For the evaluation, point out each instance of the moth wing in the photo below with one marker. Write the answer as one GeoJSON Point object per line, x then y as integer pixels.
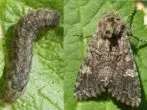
{"type": "Point", "coordinates": [124, 84]}
{"type": "Point", "coordinates": [92, 77]}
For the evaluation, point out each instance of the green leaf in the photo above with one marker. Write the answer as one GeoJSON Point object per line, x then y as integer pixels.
{"type": "Point", "coordinates": [80, 19]}
{"type": "Point", "coordinates": [45, 88]}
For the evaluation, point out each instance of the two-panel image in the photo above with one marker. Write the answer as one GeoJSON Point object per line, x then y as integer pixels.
{"type": "Point", "coordinates": [73, 55]}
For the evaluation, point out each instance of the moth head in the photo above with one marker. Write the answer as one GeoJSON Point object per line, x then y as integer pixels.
{"type": "Point", "coordinates": [111, 26]}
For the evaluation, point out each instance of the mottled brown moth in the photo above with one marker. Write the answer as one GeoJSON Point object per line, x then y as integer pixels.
{"type": "Point", "coordinates": [109, 64]}
{"type": "Point", "coordinates": [15, 78]}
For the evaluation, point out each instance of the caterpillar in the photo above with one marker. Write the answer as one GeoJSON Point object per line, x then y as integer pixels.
{"type": "Point", "coordinates": [15, 78]}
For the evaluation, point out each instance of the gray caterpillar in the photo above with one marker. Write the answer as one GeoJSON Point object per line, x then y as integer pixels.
{"type": "Point", "coordinates": [15, 78]}
{"type": "Point", "coordinates": [109, 64]}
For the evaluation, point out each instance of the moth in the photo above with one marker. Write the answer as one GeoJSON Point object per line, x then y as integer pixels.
{"type": "Point", "coordinates": [16, 75]}
{"type": "Point", "coordinates": [109, 64]}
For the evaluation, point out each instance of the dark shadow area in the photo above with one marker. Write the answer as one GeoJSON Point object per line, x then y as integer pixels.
{"type": "Point", "coordinates": [7, 57]}
{"type": "Point", "coordinates": [7, 48]}
{"type": "Point", "coordinates": [122, 106]}
{"type": "Point", "coordinates": [103, 97]}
